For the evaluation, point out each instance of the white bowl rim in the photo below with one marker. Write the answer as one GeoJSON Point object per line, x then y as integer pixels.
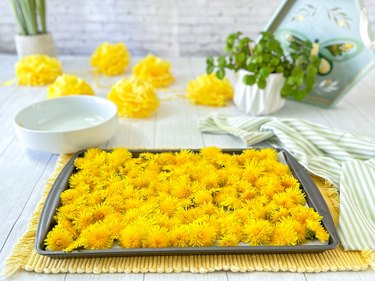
{"type": "Point", "coordinates": [73, 97]}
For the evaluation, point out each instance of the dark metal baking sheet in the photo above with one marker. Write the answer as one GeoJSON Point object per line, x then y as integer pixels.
{"type": "Point", "coordinates": [313, 197]}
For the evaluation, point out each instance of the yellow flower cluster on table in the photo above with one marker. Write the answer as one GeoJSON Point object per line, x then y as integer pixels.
{"type": "Point", "coordinates": [37, 70]}
{"type": "Point", "coordinates": [207, 89]}
{"type": "Point", "coordinates": [182, 199]}
{"type": "Point", "coordinates": [68, 84]}
{"type": "Point", "coordinates": [134, 98]}
{"type": "Point", "coordinates": [154, 70]}
{"type": "Point", "coordinates": [111, 59]}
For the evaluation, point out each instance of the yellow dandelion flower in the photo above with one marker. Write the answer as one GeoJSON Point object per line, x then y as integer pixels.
{"type": "Point", "coordinates": [132, 203]}
{"type": "Point", "coordinates": [154, 70]}
{"type": "Point", "coordinates": [110, 59]}
{"type": "Point", "coordinates": [78, 243]}
{"type": "Point", "coordinates": [186, 216]}
{"type": "Point", "coordinates": [301, 232]}
{"type": "Point", "coordinates": [118, 156]}
{"type": "Point", "coordinates": [115, 223]}
{"type": "Point", "coordinates": [134, 98]}
{"type": "Point", "coordinates": [211, 181]}
{"type": "Point", "coordinates": [296, 194]}
{"type": "Point", "coordinates": [132, 215]}
{"type": "Point", "coordinates": [201, 235]}
{"type": "Point", "coordinates": [58, 239]}
{"type": "Point", "coordinates": [280, 169]}
{"type": "Point", "coordinates": [257, 232]}
{"type": "Point", "coordinates": [288, 181]}
{"type": "Point", "coordinates": [283, 199]}
{"type": "Point", "coordinates": [179, 236]}
{"type": "Point", "coordinates": [284, 234]}
{"type": "Point", "coordinates": [257, 209]}
{"type": "Point", "coordinates": [241, 214]}
{"type": "Point", "coordinates": [268, 154]}
{"type": "Point", "coordinates": [97, 236]}
{"type": "Point", "coordinates": [207, 89]}
{"type": "Point", "coordinates": [131, 237]}
{"type": "Point", "coordinates": [68, 225]}
{"type": "Point", "coordinates": [37, 70]}
{"type": "Point", "coordinates": [183, 157]}
{"type": "Point", "coordinates": [252, 171]}
{"type": "Point", "coordinates": [229, 240]}
{"type": "Point", "coordinates": [168, 205]}
{"type": "Point", "coordinates": [69, 211]}
{"type": "Point", "coordinates": [69, 84]}
{"type": "Point", "coordinates": [203, 196]}
{"type": "Point", "coordinates": [181, 188]}
{"type": "Point", "coordinates": [69, 196]}
{"type": "Point", "coordinates": [319, 231]}
{"type": "Point", "coordinates": [156, 237]}
{"type": "Point", "coordinates": [164, 221]}
{"type": "Point", "coordinates": [208, 208]}
{"type": "Point", "coordinates": [100, 211]}
{"type": "Point", "coordinates": [93, 153]}
{"type": "Point", "coordinates": [302, 214]}
{"type": "Point", "coordinates": [231, 224]}
{"type": "Point", "coordinates": [210, 152]}
{"type": "Point", "coordinates": [246, 155]}
{"type": "Point", "coordinates": [277, 212]}
{"type": "Point", "coordinates": [84, 219]}
{"type": "Point", "coordinates": [166, 158]}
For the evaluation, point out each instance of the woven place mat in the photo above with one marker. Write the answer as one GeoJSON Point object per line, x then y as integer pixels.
{"type": "Point", "coordinates": [23, 256]}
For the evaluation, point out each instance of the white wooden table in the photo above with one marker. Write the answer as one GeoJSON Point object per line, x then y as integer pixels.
{"type": "Point", "coordinates": [23, 172]}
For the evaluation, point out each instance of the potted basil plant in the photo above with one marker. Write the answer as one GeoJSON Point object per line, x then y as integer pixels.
{"type": "Point", "coordinates": [266, 73]}
{"type": "Point", "coordinates": [33, 37]}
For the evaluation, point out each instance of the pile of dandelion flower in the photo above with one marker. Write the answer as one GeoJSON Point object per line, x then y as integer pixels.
{"type": "Point", "coordinates": [134, 98]}
{"type": "Point", "coordinates": [154, 70]}
{"type": "Point", "coordinates": [182, 199]}
{"type": "Point", "coordinates": [110, 59]}
{"type": "Point", "coordinates": [69, 84]}
{"type": "Point", "coordinates": [37, 70]}
{"type": "Point", "coordinates": [207, 89]}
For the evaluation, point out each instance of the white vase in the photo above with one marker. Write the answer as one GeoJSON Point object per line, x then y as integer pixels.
{"type": "Point", "coordinates": [255, 101]}
{"type": "Point", "coordinates": [42, 44]}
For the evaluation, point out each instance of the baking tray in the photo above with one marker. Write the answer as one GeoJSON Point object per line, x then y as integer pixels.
{"type": "Point", "coordinates": [313, 197]}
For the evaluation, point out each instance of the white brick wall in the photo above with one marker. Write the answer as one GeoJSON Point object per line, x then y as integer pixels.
{"type": "Point", "coordinates": [164, 27]}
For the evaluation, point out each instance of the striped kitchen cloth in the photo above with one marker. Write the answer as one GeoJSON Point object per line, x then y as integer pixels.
{"type": "Point", "coordinates": [344, 159]}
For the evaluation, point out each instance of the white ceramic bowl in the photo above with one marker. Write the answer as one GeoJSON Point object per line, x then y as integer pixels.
{"type": "Point", "coordinates": [66, 124]}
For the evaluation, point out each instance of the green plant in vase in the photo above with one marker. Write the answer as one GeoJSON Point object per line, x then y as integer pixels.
{"type": "Point", "coordinates": [33, 37]}
{"type": "Point", "coordinates": [257, 62]}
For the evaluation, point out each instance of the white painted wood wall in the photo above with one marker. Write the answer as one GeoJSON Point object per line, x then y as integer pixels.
{"type": "Point", "coordinates": [164, 27]}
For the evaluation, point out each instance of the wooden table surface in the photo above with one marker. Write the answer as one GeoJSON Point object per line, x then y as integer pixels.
{"type": "Point", "coordinates": [23, 173]}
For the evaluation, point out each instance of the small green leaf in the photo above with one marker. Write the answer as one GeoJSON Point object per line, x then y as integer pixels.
{"type": "Point", "coordinates": [251, 67]}
{"type": "Point", "coordinates": [279, 69]}
{"type": "Point", "coordinates": [240, 58]}
{"type": "Point", "coordinates": [249, 79]}
{"type": "Point", "coordinates": [262, 83]}
{"type": "Point", "coordinates": [258, 49]}
{"type": "Point", "coordinates": [210, 60]}
{"type": "Point", "coordinates": [222, 62]}
{"type": "Point", "coordinates": [259, 59]}
{"type": "Point", "coordinates": [209, 69]}
{"type": "Point", "coordinates": [264, 72]}
{"type": "Point", "coordinates": [290, 80]}
{"type": "Point", "coordinates": [220, 73]}
{"type": "Point", "coordinates": [275, 61]}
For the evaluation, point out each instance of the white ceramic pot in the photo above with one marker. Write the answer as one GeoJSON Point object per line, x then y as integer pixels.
{"type": "Point", "coordinates": [42, 44]}
{"type": "Point", "coordinates": [255, 101]}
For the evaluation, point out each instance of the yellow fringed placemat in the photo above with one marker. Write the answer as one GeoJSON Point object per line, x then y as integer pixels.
{"type": "Point", "coordinates": [23, 256]}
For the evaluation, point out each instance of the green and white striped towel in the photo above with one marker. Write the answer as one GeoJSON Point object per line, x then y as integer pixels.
{"type": "Point", "coordinates": [346, 160]}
